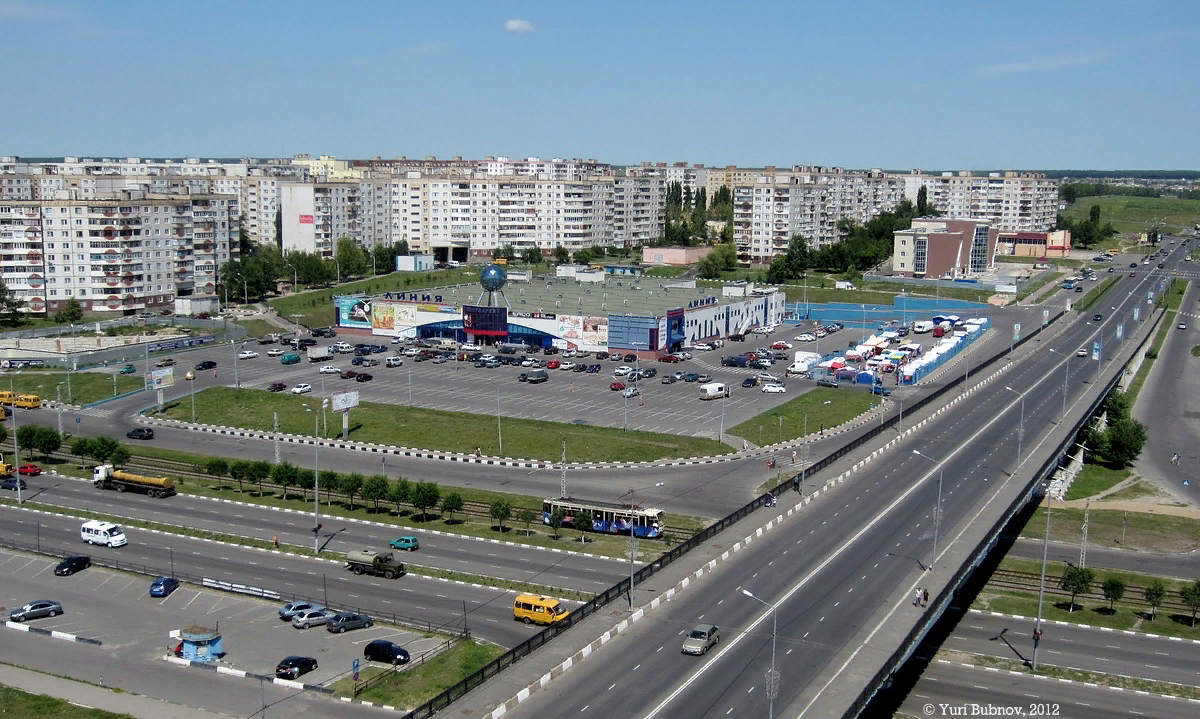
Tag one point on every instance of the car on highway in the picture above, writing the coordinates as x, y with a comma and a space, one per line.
617, 386
774, 388
1097, 317
407, 543
168, 362
163, 586
827, 382
309, 618
294, 667
381, 650
1161, 265
1079, 288
701, 639
36, 609
275, 352
1112, 269
302, 388
1133, 264
13, 482
364, 377
631, 392
206, 364
70, 565
277, 387
329, 369
140, 433
342, 621
29, 470
128, 369
1182, 326
247, 354
1081, 352
1145, 262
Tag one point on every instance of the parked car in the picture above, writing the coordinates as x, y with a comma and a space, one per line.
668, 358
36, 610
30, 470
206, 364
622, 371
163, 586
342, 621
630, 357
581, 367
393, 362
774, 388
826, 382
704, 378
552, 364
12, 483
601, 355
302, 388
617, 386
364, 377
289, 610
309, 618
247, 354
684, 355
70, 565
648, 372
631, 392
565, 365
140, 433
277, 387
293, 667
669, 379
381, 650
593, 368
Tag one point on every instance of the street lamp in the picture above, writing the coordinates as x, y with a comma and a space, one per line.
1066, 377
295, 276
339, 269
633, 542
1037, 627
772, 675
58, 404
937, 512
1020, 427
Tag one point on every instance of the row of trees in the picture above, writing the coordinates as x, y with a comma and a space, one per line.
1122, 440
1071, 191
861, 247
256, 272
561, 255
1079, 580
1086, 233
687, 215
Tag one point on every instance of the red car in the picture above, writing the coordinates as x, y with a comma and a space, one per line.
553, 364
277, 387
31, 470
668, 358
616, 386
349, 374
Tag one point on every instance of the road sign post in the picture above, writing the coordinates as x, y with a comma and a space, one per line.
354, 667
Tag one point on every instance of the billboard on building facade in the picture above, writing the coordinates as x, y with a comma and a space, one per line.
595, 331
489, 321
354, 312
389, 317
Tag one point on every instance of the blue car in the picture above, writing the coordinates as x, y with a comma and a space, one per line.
880, 390
163, 586
357, 360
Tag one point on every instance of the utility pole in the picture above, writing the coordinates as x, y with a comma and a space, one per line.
275, 432
1037, 627
1087, 508
562, 487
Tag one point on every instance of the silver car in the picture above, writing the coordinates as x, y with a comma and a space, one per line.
291, 609
701, 638
36, 610
342, 621
310, 618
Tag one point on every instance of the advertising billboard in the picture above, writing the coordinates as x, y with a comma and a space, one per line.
488, 321
161, 378
390, 318
343, 401
354, 311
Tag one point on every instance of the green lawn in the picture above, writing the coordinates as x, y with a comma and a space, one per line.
1145, 532
1046, 295
419, 683
1172, 300
1022, 260
86, 387
1137, 490
786, 421
952, 291
445, 431
1094, 479
1031, 287
1196, 350
665, 271
1134, 214
258, 328
1093, 296
23, 705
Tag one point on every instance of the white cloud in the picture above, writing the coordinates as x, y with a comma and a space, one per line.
1052, 62
518, 26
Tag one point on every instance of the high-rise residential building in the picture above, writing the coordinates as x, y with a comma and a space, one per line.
1010, 201
316, 215
638, 209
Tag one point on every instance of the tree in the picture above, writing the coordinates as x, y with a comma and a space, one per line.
398, 492
71, 312
284, 474
1124, 440
305, 480
10, 305
531, 256
582, 257
27, 436
81, 447
239, 470
504, 252
1077, 580
279, 228
350, 486
500, 510
1094, 215
561, 255
48, 441
375, 489
1154, 594
424, 496
922, 201
330, 481
385, 256
453, 502
258, 473
120, 456
1190, 594
525, 515
583, 522
351, 258
556, 520
216, 467
1114, 590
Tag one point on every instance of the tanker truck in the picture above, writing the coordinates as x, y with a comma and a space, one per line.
368, 561
107, 477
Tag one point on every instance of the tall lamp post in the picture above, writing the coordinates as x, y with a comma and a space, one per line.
16, 451
1066, 377
1037, 627
633, 540
772, 675
1021, 426
295, 276
937, 511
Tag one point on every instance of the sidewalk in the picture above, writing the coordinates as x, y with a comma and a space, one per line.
92, 696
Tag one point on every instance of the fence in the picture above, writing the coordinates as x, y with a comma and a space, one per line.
926, 369
360, 687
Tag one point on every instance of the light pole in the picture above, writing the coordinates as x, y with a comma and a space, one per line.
864, 309
1037, 627
1020, 427
937, 512
192, 392
317, 485
633, 540
58, 405
16, 451
295, 276
339, 269
772, 675
1066, 378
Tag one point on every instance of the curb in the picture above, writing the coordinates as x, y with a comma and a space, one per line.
1061, 623
22, 627
1092, 685
229, 671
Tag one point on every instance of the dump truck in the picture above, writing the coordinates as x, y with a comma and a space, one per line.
368, 561
317, 354
107, 477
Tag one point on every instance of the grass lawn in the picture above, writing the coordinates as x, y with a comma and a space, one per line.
1031, 287
446, 431
258, 328
1094, 479
952, 291
1022, 260
820, 295
1146, 532
1196, 350
420, 683
86, 387
1137, 490
1173, 298
843, 405
1134, 214
665, 271
1093, 295
23, 705
1046, 295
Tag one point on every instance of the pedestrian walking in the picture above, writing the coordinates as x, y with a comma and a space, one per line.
925, 598
745, 445
793, 456
917, 598
478, 452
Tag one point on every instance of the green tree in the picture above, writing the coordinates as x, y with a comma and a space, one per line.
453, 502
305, 480
709, 267
10, 305
48, 441
80, 447
329, 482
120, 456
1154, 594
922, 201
500, 510
216, 467
556, 521
1077, 580
504, 252
350, 485
1123, 441
27, 436
1114, 590
239, 470
71, 312
561, 255
1094, 215
279, 228
582, 257
375, 490
424, 496
531, 256
583, 523
102, 448
352, 259
284, 474
398, 492
385, 256
526, 515
1190, 594
258, 473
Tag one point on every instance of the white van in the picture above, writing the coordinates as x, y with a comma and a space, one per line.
342, 348
106, 533
922, 327
713, 390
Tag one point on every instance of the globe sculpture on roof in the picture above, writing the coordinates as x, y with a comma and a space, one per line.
492, 278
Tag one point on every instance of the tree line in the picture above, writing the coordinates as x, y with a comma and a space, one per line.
860, 248
1089, 232
1079, 580
255, 274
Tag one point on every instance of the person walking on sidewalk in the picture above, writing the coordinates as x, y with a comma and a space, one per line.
925, 598
917, 598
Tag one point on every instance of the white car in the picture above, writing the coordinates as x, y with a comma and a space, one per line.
622, 371
528, 362
274, 352
567, 365
397, 340
302, 388
329, 369
410, 352
774, 388
806, 337
683, 355
703, 347
394, 362
247, 354
768, 377
821, 333
1081, 352
631, 392
470, 348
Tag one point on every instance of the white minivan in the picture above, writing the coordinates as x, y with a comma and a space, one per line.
106, 533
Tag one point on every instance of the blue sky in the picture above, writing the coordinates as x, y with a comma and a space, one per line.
936, 85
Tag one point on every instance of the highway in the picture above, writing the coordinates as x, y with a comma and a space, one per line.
844, 558
441, 551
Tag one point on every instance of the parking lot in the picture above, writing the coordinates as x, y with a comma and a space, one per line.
116, 609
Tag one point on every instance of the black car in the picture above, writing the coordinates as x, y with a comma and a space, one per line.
749, 382
140, 433
379, 349
737, 338
70, 565
381, 650
579, 368
1079, 288
649, 372
293, 667
630, 357
12, 483
601, 355
363, 377
206, 364
1133, 264
1097, 317
827, 383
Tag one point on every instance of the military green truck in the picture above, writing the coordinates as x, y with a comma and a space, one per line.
368, 561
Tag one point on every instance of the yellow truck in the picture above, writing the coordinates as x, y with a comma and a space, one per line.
107, 477
28, 401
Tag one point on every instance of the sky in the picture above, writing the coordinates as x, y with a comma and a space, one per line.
950, 85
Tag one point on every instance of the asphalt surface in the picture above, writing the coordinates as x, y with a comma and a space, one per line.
441, 551
867, 538
489, 612
1167, 565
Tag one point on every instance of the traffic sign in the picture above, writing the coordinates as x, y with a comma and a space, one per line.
355, 668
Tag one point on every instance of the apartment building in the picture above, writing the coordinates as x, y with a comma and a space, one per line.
128, 252
638, 209
316, 214
1010, 201
949, 249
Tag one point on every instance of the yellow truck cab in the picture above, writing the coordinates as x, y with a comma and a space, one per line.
28, 401
531, 608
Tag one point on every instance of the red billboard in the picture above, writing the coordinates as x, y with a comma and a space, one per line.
306, 219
